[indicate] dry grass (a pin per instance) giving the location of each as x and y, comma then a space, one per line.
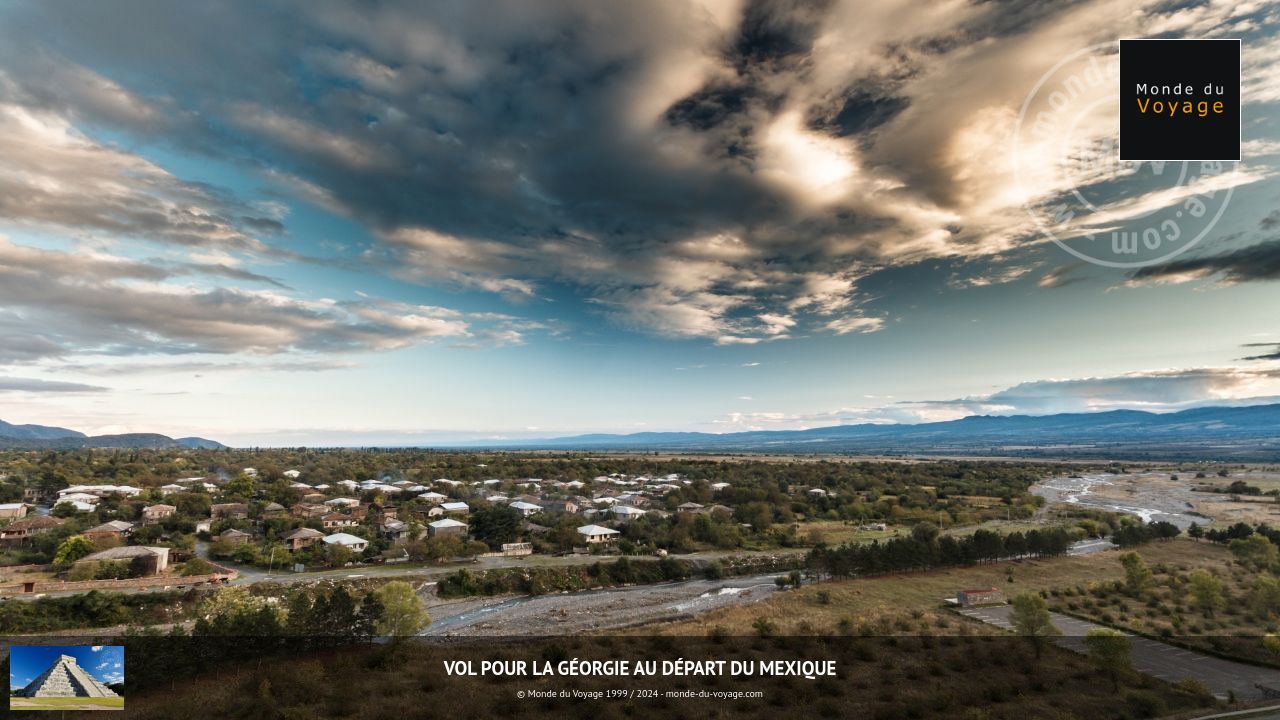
822, 606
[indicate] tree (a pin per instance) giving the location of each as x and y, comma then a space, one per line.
403, 612
1195, 531
495, 525
1206, 591
72, 549
1109, 653
338, 554
1031, 619
925, 532
1255, 552
1137, 576
1265, 597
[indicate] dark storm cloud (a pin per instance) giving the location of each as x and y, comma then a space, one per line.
1272, 351
1248, 264
699, 169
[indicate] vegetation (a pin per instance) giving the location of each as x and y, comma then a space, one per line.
1031, 619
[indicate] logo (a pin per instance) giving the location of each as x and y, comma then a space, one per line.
1101, 209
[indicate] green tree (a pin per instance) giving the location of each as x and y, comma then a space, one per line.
1255, 552
72, 549
403, 612
1031, 619
1109, 653
1264, 599
1206, 591
1137, 576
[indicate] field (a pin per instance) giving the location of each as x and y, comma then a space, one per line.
66, 703
916, 599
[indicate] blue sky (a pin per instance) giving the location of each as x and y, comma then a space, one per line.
104, 662
327, 222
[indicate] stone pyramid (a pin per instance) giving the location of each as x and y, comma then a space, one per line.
65, 678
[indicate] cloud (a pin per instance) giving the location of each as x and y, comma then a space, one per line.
1156, 391
96, 648
720, 170
92, 303
1252, 263
33, 385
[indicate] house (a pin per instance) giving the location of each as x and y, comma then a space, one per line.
234, 537
152, 513
455, 508
596, 534
337, 520
146, 560
447, 526
171, 488
292, 474
626, 513
308, 510
229, 510
302, 538
434, 498
394, 530
80, 499
12, 511
980, 596
20, 530
274, 510
525, 508
342, 502
356, 544
689, 507
717, 487
100, 490
561, 506
115, 530
817, 492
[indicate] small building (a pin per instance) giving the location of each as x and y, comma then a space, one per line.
337, 520
689, 507
153, 513
229, 510
356, 544
596, 534
455, 508
308, 510
231, 536
20, 530
302, 538
116, 530
171, 488
525, 508
626, 513
980, 596
145, 560
561, 506
447, 526
12, 511
274, 510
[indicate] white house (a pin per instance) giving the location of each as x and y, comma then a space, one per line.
292, 474
626, 513
455, 508
357, 544
342, 502
526, 508
171, 488
594, 534
433, 497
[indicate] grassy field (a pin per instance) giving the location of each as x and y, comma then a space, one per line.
914, 601
66, 703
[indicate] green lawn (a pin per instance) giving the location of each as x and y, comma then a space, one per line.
66, 703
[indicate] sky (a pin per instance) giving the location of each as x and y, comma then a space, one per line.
375, 223
104, 662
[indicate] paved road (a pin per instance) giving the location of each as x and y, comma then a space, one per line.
1161, 660
1089, 547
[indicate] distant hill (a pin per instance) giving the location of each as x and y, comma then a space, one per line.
36, 432
41, 437
1240, 433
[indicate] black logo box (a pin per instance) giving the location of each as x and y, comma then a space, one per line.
1185, 67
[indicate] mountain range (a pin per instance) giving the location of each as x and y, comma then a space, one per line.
1251, 432
40, 437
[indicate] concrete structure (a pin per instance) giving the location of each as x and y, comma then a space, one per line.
65, 678
12, 510
234, 537
447, 526
594, 534
455, 508
626, 513
149, 560
980, 596
229, 510
526, 508
20, 530
115, 530
152, 513
302, 538
357, 544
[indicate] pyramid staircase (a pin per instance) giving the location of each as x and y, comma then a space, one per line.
65, 678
